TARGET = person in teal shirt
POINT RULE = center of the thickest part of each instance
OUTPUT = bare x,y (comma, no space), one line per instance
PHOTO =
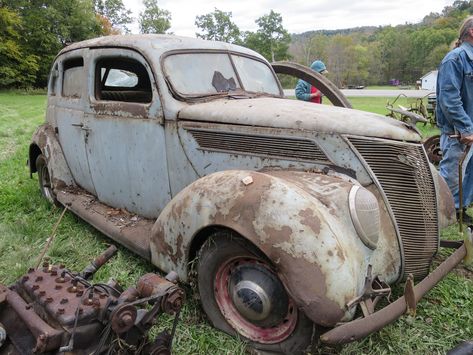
307,92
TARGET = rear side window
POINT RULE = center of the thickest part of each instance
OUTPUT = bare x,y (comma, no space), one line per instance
122,79
73,78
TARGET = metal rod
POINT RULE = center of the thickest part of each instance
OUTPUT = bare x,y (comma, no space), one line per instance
51,238
460,186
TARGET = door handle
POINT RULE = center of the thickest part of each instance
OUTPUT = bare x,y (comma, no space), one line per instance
81,126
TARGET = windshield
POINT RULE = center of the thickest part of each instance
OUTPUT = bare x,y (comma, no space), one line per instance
204,74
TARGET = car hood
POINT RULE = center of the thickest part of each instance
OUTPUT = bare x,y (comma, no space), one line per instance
294,114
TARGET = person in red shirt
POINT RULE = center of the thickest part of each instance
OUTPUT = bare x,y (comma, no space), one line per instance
307,92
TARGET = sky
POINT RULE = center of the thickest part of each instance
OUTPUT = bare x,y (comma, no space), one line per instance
298,15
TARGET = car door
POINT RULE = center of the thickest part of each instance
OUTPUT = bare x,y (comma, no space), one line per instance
69,113
126,144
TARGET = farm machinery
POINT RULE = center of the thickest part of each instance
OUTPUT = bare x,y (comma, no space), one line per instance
422,109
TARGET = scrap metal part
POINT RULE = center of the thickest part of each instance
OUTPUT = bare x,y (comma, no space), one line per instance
53,310
360,328
432,147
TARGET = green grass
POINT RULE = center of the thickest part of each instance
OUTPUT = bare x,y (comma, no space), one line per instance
444,317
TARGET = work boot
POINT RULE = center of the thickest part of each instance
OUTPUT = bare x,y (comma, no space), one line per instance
466,218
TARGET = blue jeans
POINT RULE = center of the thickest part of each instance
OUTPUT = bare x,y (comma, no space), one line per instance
452,152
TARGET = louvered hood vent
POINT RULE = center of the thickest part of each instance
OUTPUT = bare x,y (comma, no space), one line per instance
258,145
403,173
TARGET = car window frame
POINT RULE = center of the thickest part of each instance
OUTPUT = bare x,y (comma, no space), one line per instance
66,59
186,97
123,109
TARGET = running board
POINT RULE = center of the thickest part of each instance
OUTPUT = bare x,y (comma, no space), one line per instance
130,230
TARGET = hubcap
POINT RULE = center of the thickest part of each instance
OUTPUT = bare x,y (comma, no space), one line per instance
251,300
254,301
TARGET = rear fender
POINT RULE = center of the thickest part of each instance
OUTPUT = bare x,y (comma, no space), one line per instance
45,142
295,218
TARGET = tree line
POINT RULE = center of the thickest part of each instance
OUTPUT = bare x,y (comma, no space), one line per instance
374,55
33,31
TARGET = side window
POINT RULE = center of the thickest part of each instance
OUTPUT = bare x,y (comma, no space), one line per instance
122,79
53,80
73,78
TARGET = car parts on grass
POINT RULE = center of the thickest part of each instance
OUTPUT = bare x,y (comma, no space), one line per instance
53,310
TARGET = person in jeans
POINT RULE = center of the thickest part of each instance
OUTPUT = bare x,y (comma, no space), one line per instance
455,115
307,92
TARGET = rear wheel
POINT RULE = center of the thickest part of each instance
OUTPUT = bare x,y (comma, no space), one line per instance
44,180
242,295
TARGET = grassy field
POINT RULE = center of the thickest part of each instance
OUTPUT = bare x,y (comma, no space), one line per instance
444,317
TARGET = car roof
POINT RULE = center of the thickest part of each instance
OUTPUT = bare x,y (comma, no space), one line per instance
155,45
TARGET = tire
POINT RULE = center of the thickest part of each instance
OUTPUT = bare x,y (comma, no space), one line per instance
44,180
242,295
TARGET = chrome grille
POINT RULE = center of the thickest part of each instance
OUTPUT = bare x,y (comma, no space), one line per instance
265,146
403,173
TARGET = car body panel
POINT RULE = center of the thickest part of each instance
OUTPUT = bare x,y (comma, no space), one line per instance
293,114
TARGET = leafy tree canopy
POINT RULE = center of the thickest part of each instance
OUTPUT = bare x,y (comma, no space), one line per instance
271,39
49,25
218,26
112,13
16,68
154,19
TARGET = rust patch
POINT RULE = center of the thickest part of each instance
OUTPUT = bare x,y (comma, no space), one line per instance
121,109
278,235
340,253
311,220
246,206
310,296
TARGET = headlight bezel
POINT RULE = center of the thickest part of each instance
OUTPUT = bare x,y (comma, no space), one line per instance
368,235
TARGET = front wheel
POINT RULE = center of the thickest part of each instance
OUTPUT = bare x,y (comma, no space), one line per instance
44,180
242,295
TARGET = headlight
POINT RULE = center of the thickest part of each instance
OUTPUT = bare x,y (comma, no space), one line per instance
364,211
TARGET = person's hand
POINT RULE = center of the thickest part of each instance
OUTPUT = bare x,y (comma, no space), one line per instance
316,94
468,140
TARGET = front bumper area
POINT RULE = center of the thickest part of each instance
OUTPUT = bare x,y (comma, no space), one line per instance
360,328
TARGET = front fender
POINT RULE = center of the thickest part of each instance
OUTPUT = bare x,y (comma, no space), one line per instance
299,220
445,202
45,139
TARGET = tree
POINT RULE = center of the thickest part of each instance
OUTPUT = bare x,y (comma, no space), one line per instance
49,25
154,19
115,14
16,68
106,26
271,39
218,26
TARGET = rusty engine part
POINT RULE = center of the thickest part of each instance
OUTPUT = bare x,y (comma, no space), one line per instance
432,147
53,310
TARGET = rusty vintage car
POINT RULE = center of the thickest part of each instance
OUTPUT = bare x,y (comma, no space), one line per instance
289,215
